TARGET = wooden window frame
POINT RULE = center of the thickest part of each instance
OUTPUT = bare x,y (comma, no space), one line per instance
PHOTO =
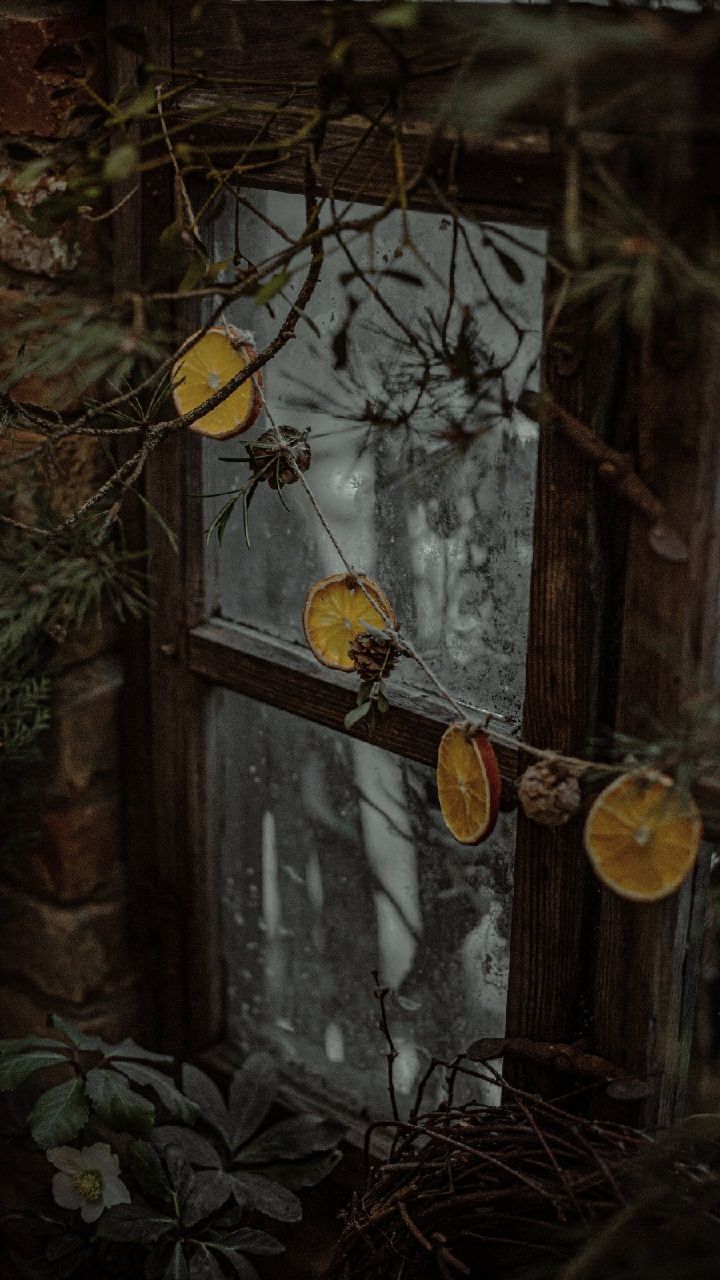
583,963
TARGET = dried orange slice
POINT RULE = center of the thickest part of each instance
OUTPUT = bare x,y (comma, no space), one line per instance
206,367
642,836
337,610
468,783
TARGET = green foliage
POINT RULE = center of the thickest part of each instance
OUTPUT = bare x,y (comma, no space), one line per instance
261,1168
59,1114
97,1085
90,340
190,1189
49,586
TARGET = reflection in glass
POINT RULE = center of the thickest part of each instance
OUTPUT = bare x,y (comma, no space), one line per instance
336,863
432,494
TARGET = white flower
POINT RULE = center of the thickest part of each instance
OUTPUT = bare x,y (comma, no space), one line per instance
88,1179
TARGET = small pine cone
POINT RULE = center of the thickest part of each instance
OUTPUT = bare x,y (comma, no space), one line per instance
266,449
549,793
374,656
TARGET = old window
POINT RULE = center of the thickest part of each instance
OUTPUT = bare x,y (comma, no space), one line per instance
291,854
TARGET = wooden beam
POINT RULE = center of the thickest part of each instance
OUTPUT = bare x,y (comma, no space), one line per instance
146,891
648,954
555,891
287,676
176,883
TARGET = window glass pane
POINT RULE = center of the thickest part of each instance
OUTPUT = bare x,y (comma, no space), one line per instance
432,495
335,863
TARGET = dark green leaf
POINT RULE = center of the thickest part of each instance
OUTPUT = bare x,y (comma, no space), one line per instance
249,1240
171,242
133,1222
203,1266
177,1268
295,1174
196,271
252,1092
211,1190
267,1197
273,286
90,1044
59,1114
129,37
166,1091
167,1262
382,703
143,103
246,500
116,1105
231,1218
88,111
129,1049
147,1168
358,713
298,1136
29,1042
29,174
120,163
181,1174
208,1098
197,1149
14,1070
66,1253
243,1266
220,521
36,226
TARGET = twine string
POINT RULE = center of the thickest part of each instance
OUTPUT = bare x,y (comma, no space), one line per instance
395,633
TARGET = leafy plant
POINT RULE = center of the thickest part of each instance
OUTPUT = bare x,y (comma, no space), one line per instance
261,1167
178,1218
49,586
101,1082
167,1201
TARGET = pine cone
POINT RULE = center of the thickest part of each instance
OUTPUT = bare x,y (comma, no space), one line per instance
374,656
549,793
267,449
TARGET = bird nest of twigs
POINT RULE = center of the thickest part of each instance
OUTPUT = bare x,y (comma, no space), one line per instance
485,1191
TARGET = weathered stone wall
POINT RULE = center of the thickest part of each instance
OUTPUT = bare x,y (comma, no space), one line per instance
64,940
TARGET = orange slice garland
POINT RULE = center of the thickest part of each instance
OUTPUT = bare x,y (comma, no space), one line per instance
468,783
206,367
642,836
337,610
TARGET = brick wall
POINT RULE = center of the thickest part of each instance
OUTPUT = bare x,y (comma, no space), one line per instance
64,940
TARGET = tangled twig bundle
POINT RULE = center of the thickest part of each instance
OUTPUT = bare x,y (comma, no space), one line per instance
479,1190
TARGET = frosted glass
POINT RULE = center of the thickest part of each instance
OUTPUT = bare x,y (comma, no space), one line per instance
447,533
335,863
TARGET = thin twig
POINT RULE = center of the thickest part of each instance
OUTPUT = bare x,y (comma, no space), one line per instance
380,994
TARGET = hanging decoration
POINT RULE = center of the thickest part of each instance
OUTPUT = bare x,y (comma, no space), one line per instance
205,365
642,835
374,654
468,783
337,610
277,463
643,832
549,792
